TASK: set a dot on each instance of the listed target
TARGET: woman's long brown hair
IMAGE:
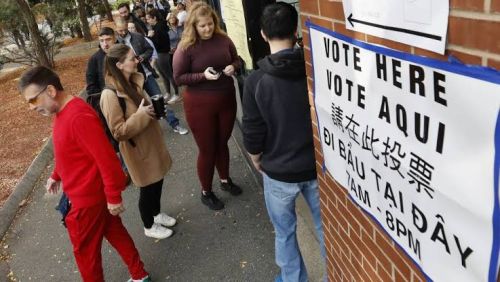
(118, 53)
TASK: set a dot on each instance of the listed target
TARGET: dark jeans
(152, 88)
(149, 202)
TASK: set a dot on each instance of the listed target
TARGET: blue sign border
(478, 72)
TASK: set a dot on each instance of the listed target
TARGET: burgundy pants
(210, 117)
(86, 228)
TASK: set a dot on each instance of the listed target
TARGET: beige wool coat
(149, 160)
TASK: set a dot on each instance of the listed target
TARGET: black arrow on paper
(409, 31)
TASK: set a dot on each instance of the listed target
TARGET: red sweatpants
(86, 228)
(210, 117)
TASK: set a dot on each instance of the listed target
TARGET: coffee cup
(158, 102)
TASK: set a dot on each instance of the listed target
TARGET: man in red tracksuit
(93, 179)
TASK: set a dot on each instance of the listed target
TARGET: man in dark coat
(277, 133)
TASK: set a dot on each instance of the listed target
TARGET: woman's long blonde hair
(197, 10)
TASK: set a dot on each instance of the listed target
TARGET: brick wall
(357, 249)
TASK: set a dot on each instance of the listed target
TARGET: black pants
(164, 64)
(149, 202)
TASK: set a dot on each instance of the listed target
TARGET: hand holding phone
(211, 74)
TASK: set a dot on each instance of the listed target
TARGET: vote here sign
(415, 142)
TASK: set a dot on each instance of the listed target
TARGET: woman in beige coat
(139, 134)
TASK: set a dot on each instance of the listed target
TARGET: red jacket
(85, 161)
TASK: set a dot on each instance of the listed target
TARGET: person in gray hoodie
(277, 134)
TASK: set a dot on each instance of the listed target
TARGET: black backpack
(94, 100)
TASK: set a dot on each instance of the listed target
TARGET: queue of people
(190, 51)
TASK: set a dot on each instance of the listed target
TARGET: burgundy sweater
(85, 160)
(216, 52)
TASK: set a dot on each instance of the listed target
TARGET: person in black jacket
(95, 69)
(277, 133)
(159, 35)
(125, 13)
(95, 77)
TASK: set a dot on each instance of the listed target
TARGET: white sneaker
(164, 219)
(158, 232)
(181, 130)
(173, 99)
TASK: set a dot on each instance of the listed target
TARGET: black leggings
(149, 202)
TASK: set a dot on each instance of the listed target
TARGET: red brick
(309, 6)
(380, 234)
(335, 245)
(384, 275)
(355, 252)
(350, 268)
(318, 167)
(340, 28)
(479, 34)
(369, 273)
(354, 226)
(469, 5)
(367, 254)
(334, 10)
(465, 58)
(310, 85)
(350, 219)
(388, 43)
(343, 223)
(333, 223)
(322, 22)
(357, 269)
(494, 63)
(361, 217)
(430, 54)
(400, 278)
(401, 265)
(379, 254)
(303, 20)
(307, 57)
(305, 41)
(495, 7)
(418, 277)
(339, 191)
(309, 70)
(343, 267)
(317, 143)
(318, 155)
(331, 196)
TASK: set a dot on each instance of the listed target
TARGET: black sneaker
(212, 201)
(230, 187)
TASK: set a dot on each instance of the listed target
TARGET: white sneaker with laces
(164, 219)
(181, 130)
(158, 232)
(173, 99)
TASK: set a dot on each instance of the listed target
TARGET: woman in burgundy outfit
(205, 61)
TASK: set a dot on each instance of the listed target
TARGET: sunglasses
(33, 99)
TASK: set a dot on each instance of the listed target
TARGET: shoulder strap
(121, 100)
(123, 106)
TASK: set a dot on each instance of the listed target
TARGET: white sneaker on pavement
(158, 232)
(164, 219)
(173, 99)
(181, 130)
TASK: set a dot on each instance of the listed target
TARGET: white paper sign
(413, 141)
(420, 23)
(234, 18)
